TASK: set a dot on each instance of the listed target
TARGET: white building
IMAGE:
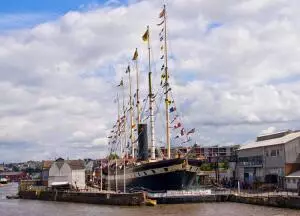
(292, 181)
(67, 171)
(270, 158)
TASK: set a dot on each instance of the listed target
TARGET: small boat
(3, 181)
(12, 197)
(150, 202)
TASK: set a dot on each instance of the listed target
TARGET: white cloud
(231, 83)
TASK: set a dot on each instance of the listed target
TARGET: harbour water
(44, 208)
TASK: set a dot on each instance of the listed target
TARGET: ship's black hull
(177, 180)
(173, 174)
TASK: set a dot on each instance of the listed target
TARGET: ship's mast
(137, 86)
(131, 112)
(166, 84)
(125, 138)
(101, 175)
(151, 99)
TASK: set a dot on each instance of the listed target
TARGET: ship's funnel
(143, 142)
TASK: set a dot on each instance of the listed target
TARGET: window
(277, 152)
(153, 171)
(267, 154)
(273, 153)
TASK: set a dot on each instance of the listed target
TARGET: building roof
(270, 142)
(11, 173)
(294, 174)
(47, 164)
(76, 164)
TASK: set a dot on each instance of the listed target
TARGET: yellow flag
(162, 13)
(135, 55)
(146, 35)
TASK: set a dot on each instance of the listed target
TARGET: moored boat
(3, 181)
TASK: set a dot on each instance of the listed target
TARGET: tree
(113, 156)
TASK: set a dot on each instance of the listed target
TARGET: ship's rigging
(173, 122)
(125, 152)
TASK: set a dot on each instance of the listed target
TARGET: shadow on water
(44, 208)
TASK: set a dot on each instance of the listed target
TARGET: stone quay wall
(133, 199)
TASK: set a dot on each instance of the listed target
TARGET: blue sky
(57, 6)
(16, 14)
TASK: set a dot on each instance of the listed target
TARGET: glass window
(273, 153)
(267, 154)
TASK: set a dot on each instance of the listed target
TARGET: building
(270, 158)
(205, 152)
(292, 180)
(70, 172)
(1, 167)
(13, 176)
(45, 171)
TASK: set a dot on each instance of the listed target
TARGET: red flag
(177, 125)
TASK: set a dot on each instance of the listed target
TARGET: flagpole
(124, 119)
(166, 85)
(119, 124)
(101, 175)
(108, 174)
(116, 175)
(151, 99)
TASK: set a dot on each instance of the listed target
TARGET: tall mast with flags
(131, 112)
(165, 76)
(120, 119)
(135, 59)
(146, 37)
(138, 119)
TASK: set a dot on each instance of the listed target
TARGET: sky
(234, 71)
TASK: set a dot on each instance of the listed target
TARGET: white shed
(292, 180)
(71, 171)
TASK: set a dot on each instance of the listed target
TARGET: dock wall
(134, 199)
(274, 201)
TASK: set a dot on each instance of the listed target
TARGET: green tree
(113, 156)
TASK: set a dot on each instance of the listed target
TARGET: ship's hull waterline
(172, 174)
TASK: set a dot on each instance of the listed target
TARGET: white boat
(3, 181)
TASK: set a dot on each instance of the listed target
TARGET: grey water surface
(44, 208)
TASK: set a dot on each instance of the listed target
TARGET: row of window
(294, 181)
(272, 153)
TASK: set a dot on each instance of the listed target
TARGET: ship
(132, 169)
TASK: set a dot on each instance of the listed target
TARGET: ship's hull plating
(172, 174)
